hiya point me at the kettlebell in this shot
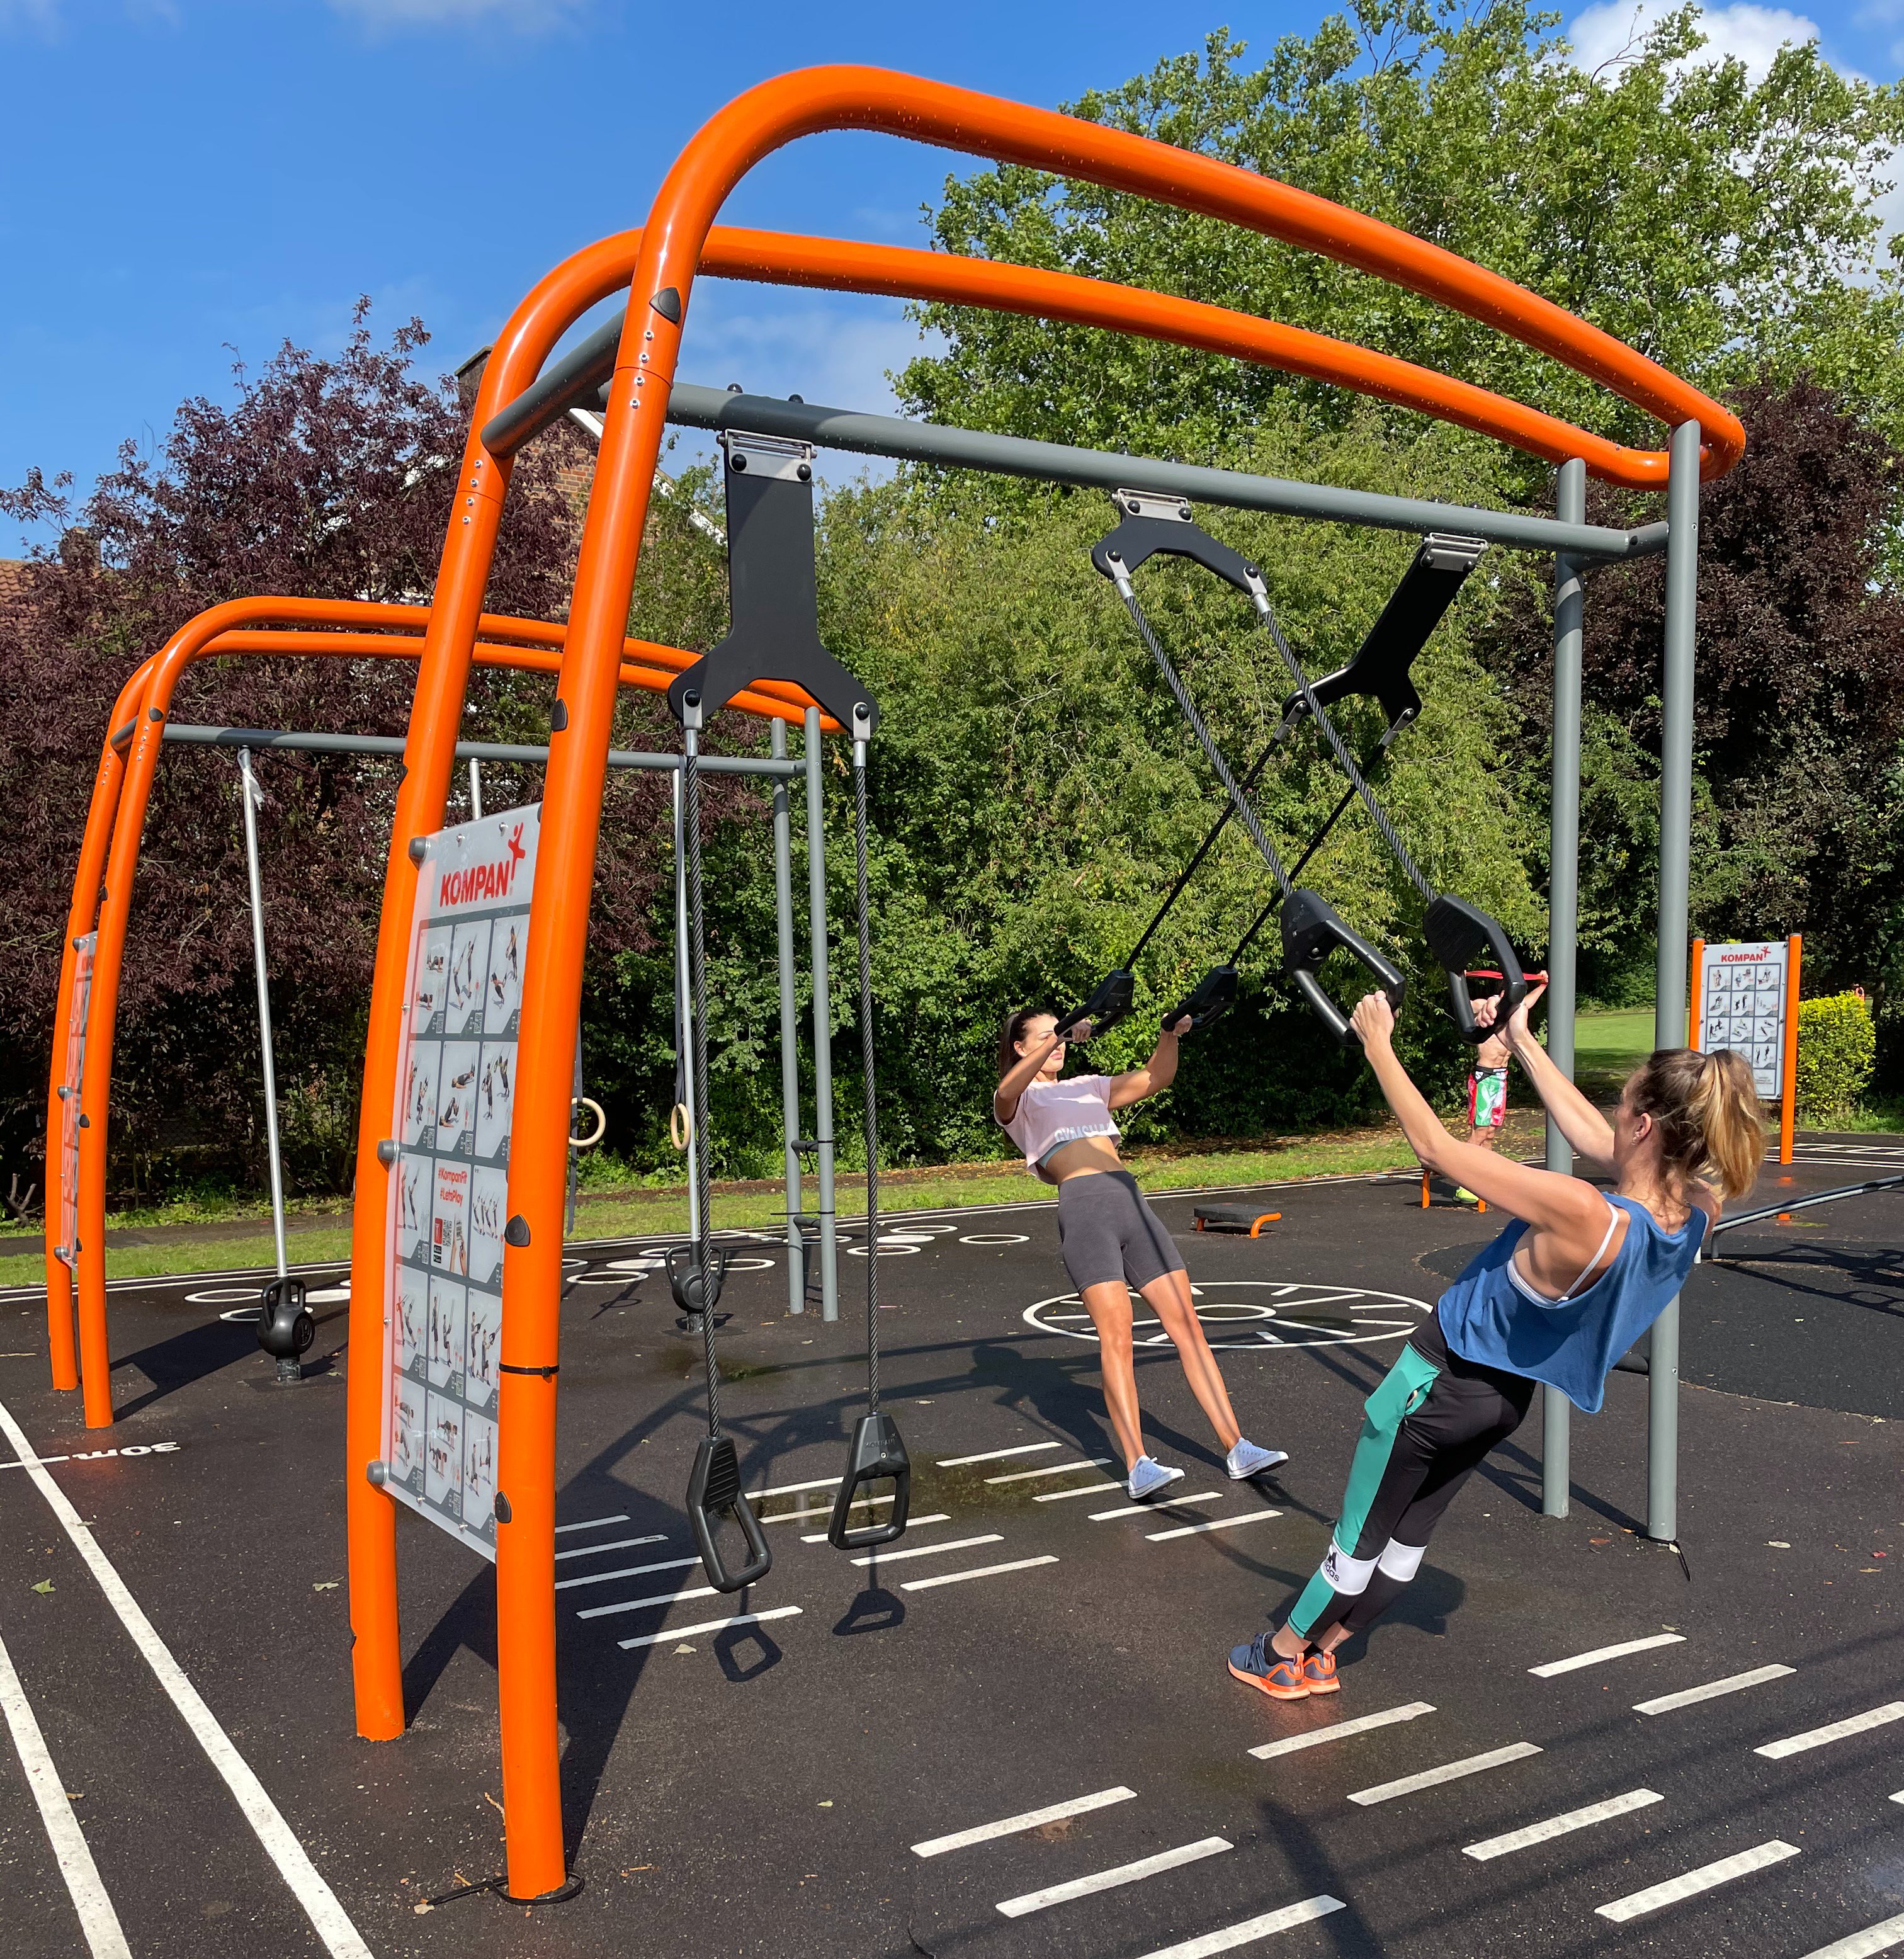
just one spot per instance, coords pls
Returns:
(285, 1327)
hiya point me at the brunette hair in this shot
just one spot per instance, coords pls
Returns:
(1011, 1033)
(1707, 1108)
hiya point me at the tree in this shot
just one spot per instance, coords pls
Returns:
(1714, 223)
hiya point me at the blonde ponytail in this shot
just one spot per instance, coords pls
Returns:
(1706, 1106)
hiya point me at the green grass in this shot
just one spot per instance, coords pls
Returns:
(637, 1214)
(1608, 1046)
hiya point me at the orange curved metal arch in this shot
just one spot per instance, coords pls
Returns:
(650, 667)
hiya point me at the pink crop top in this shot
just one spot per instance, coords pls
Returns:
(1053, 1113)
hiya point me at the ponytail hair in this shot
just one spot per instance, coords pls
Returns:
(1011, 1033)
(1706, 1106)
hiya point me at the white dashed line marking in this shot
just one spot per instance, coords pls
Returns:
(998, 1455)
(983, 1571)
(590, 1523)
(1121, 1873)
(1341, 1730)
(1050, 1469)
(1675, 1891)
(1599, 1653)
(928, 1550)
(1214, 1524)
(1491, 1847)
(1835, 1731)
(1495, 1758)
(1865, 1944)
(1734, 1683)
(710, 1626)
(1209, 1944)
(1010, 1826)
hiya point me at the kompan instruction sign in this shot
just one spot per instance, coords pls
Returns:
(1742, 1005)
(450, 1185)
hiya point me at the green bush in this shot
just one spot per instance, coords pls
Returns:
(1837, 1050)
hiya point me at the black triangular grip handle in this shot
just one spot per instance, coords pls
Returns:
(713, 1492)
(1456, 931)
(1210, 999)
(1312, 930)
(1109, 1003)
(875, 1455)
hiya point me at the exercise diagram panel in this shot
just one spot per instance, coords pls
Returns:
(449, 1195)
(1742, 994)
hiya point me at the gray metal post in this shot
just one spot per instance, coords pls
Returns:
(789, 1025)
(475, 789)
(1563, 920)
(251, 795)
(823, 1108)
(684, 1009)
(1675, 877)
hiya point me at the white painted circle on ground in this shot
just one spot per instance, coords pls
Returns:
(242, 1316)
(887, 1249)
(1255, 1313)
(223, 1296)
(635, 1265)
(327, 1296)
(996, 1238)
(750, 1265)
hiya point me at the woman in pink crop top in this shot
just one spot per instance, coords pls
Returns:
(1113, 1244)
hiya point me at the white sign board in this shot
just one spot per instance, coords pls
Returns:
(70, 1077)
(449, 1185)
(1742, 1005)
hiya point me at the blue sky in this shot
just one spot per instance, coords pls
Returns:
(183, 177)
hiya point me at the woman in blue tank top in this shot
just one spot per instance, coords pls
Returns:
(1566, 1289)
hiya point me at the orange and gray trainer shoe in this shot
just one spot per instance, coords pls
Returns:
(1258, 1665)
(1319, 1670)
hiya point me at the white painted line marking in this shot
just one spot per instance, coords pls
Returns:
(825, 1510)
(97, 1919)
(1675, 1891)
(929, 1550)
(1213, 1523)
(998, 1455)
(983, 1571)
(1010, 1826)
(1835, 1731)
(641, 1604)
(1340, 1730)
(1732, 1683)
(1898, 1798)
(1559, 1826)
(1599, 1653)
(1874, 1938)
(1083, 1490)
(711, 1626)
(1050, 1469)
(1209, 1944)
(591, 1523)
(792, 1489)
(1122, 1874)
(619, 1544)
(911, 1523)
(341, 1937)
(627, 1571)
(1155, 1505)
(1495, 1758)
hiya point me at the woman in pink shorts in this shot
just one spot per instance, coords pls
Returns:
(1113, 1243)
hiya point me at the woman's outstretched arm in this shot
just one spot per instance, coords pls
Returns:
(1004, 1097)
(1157, 1074)
(1554, 1203)
(1588, 1133)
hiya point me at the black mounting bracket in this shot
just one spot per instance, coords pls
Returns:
(1152, 524)
(773, 600)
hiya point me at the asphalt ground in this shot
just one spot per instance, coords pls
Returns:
(760, 1787)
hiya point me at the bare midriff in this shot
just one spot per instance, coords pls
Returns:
(1089, 1156)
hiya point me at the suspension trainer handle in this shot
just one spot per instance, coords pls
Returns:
(1312, 930)
(714, 1491)
(1210, 999)
(876, 1455)
(1456, 932)
(1109, 1003)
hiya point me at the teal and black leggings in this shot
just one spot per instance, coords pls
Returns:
(1424, 1432)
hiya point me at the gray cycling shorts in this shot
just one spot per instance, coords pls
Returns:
(1108, 1232)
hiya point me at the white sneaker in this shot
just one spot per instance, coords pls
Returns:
(1147, 1477)
(1246, 1459)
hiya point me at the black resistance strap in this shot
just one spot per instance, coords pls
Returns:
(876, 1453)
(1311, 928)
(714, 1487)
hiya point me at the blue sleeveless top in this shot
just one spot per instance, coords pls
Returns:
(1487, 1317)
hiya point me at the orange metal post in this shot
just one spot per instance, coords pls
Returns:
(1788, 1116)
(1694, 1011)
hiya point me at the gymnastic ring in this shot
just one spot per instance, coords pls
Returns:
(601, 1122)
(680, 1125)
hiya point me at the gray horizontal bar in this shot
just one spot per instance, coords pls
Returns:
(575, 381)
(466, 751)
(1806, 1203)
(1013, 456)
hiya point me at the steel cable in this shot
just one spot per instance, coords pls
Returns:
(866, 1052)
(697, 990)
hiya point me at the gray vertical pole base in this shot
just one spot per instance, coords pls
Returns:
(1563, 911)
(823, 1111)
(789, 1048)
(1675, 878)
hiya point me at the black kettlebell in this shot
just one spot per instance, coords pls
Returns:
(285, 1327)
(694, 1292)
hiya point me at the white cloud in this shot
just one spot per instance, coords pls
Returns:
(1615, 28)
(35, 17)
(527, 16)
